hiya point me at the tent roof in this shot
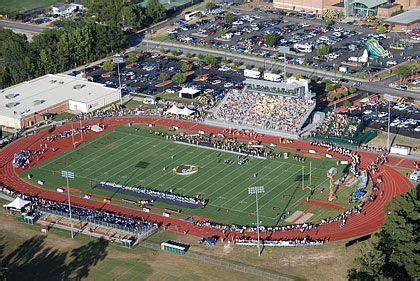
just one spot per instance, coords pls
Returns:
(189, 91)
(174, 110)
(18, 203)
(186, 111)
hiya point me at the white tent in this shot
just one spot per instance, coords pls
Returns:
(174, 110)
(96, 128)
(186, 111)
(17, 204)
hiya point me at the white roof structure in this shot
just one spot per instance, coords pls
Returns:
(174, 110)
(189, 91)
(17, 204)
(186, 111)
(178, 111)
(35, 95)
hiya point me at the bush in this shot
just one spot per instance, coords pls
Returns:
(352, 90)
(163, 76)
(186, 67)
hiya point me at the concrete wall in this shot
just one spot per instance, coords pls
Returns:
(316, 6)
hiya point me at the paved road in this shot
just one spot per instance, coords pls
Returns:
(376, 87)
(22, 27)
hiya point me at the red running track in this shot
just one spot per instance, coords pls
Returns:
(372, 217)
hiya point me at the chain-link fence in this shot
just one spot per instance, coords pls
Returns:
(262, 273)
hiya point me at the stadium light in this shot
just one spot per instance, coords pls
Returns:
(256, 190)
(69, 175)
(118, 59)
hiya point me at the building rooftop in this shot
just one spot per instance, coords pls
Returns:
(46, 91)
(406, 18)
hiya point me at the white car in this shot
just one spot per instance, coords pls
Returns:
(417, 129)
(382, 114)
(224, 68)
(351, 108)
(215, 82)
(228, 85)
(400, 107)
(368, 111)
(391, 63)
(170, 91)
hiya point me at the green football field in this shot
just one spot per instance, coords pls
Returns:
(135, 156)
(24, 5)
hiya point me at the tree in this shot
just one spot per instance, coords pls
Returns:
(108, 65)
(328, 21)
(186, 67)
(132, 58)
(155, 11)
(270, 39)
(229, 18)
(163, 76)
(201, 57)
(393, 253)
(261, 69)
(209, 59)
(322, 50)
(175, 53)
(248, 66)
(209, 4)
(274, 71)
(189, 55)
(298, 76)
(121, 13)
(179, 78)
(352, 90)
(237, 63)
(381, 28)
(222, 31)
(163, 50)
(330, 99)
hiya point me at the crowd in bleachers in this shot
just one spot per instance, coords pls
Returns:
(168, 196)
(265, 111)
(339, 125)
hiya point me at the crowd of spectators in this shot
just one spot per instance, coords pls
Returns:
(355, 158)
(226, 144)
(293, 242)
(265, 111)
(22, 158)
(339, 125)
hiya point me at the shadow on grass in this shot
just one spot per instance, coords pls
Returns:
(34, 260)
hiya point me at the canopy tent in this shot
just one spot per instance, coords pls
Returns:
(186, 111)
(178, 111)
(174, 110)
(17, 204)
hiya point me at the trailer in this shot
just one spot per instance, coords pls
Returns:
(252, 73)
(272, 77)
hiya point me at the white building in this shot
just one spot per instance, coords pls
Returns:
(65, 10)
(28, 103)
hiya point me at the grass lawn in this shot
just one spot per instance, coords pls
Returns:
(116, 155)
(29, 255)
(24, 5)
(63, 116)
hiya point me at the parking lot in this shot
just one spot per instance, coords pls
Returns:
(144, 76)
(405, 118)
(302, 35)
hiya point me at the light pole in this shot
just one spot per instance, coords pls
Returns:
(118, 59)
(256, 190)
(69, 175)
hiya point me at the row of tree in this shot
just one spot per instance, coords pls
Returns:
(55, 50)
(125, 14)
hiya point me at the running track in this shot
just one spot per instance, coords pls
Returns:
(372, 217)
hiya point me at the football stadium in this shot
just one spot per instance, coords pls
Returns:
(139, 156)
(140, 172)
